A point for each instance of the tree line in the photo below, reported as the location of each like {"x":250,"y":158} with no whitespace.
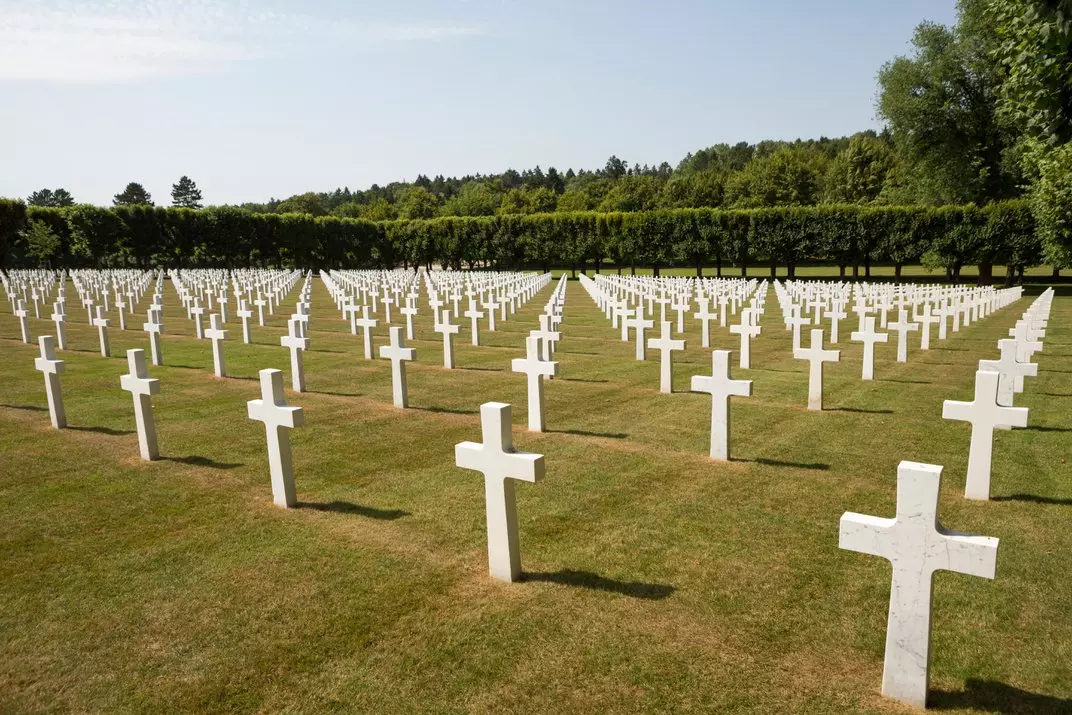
{"x":849,"y":236}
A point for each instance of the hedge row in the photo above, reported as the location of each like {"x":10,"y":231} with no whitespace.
{"x":944,"y":237}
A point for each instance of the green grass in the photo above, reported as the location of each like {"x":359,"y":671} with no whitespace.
{"x":659,"y":581}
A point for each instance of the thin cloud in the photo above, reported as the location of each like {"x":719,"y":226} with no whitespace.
{"x":123,"y":40}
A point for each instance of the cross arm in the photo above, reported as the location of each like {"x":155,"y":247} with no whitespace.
{"x":867,"y":534}
{"x":967,"y":554}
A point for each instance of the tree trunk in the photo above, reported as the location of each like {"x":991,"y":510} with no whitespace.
{"x":1020,"y":273}
{"x":655,"y":270}
{"x":986,"y":274}
{"x":897,"y":271}
{"x":841,"y":271}
{"x":744,"y":270}
{"x":699,"y":269}
{"x":867,"y":267}
{"x":855,"y":271}
{"x":632,"y":269}
{"x":773,"y":270}
{"x":619,"y":266}
{"x":1056,"y":273}
{"x":718,"y":267}
{"x":573,"y":271}
{"x":1009,"y":272}
{"x":599,"y":263}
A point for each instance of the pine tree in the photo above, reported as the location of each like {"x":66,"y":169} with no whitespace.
{"x":48,"y":197}
{"x":186,"y":194}
{"x":133,"y":195}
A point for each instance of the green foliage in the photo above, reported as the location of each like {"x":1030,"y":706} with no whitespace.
{"x":1052,"y":205}
{"x":790,"y":176}
{"x":858,"y":174}
{"x":41,"y":243}
{"x":307,"y":203}
{"x":133,"y":195}
{"x":185,"y":193}
{"x":50,"y":198}
{"x":416,"y":202}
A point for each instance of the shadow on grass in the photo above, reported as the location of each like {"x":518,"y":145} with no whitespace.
{"x":1056,"y":394}
{"x":335,"y":394}
{"x":995,"y":697}
{"x":819,"y":466}
{"x":905,"y":382}
{"x":483,"y":369}
{"x":1042,"y":428}
{"x":345,"y":507}
{"x":446,"y":410}
{"x":580,"y":379}
{"x":576,"y":352}
{"x":586,"y":433}
{"x":31,"y":408}
{"x":587,"y":579}
{"x":102,"y":430}
{"x":1033,"y":498}
{"x":861,"y":411}
{"x":198,"y":461}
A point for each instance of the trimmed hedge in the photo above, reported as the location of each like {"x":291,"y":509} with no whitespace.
{"x":844,"y":235}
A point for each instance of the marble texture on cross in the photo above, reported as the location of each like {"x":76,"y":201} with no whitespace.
{"x":705,"y":317}
{"x":217,"y":335}
{"x":474,"y":316}
{"x":154,"y":327}
{"x":535,"y":369}
{"x":245,"y":314}
{"x":51,"y":367}
{"x":278,"y":419}
{"x":816,"y":356}
{"x":297,"y":343}
{"x":747,"y":331}
{"x":926,"y":319}
{"x":101,"y":324}
{"x":24,"y":328}
{"x":666,"y":346}
{"x":869,"y":337}
{"x":639,"y":324}
{"x":197,"y":311}
{"x":138,"y":383}
{"x":1009,"y":368}
{"x":721,"y":387}
{"x":985,"y":414}
{"x":496,"y":459}
{"x":916,"y":545}
{"x":366,"y":324}
{"x":399,"y":355}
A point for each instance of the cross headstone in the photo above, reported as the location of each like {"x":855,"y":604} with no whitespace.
{"x":217,"y":334}
{"x":24,"y":328}
{"x":297,"y":343}
{"x":197,"y":311}
{"x":500,"y":465}
{"x":536,"y":369}
{"x":142,"y":387}
{"x":399,"y":355}
{"x":278,"y":417}
{"x":984,"y":413}
{"x":59,"y":319}
{"x":869,"y":337}
{"x":51,"y":367}
{"x":903,"y":326}
{"x":666,"y":345}
{"x":448,"y":330}
{"x":1009,"y":368}
{"x":917,"y":546}
{"x":639,"y":324}
{"x":747,"y":331}
{"x":245,"y":314}
{"x":154,"y":327}
{"x":705,"y":317}
{"x":926,"y":319}
{"x":101,"y":324}
{"x":816,"y":356}
{"x":721,"y":387}
{"x":474,"y":316}
{"x":366,"y":324}
{"x":409,"y":311}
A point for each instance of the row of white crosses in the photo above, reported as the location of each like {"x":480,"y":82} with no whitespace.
{"x":914,"y":542}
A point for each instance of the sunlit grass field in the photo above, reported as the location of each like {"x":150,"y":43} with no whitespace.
{"x":656,"y":580}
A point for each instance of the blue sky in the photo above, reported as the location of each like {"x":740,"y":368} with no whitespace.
{"x":257,"y":99}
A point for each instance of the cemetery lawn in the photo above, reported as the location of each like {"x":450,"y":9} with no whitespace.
{"x":656,"y":580}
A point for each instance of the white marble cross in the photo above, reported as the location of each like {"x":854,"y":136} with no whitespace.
{"x":278,"y":417}
{"x":142,"y":387}
{"x":59,"y":319}
{"x":260,"y":303}
{"x":217,"y":334}
{"x":399,"y":355}
{"x":917,"y":546}
{"x":926,"y":319}
{"x":366,"y":324}
{"x":869,"y":337}
{"x":500,"y":465}
{"x":903,"y":326}
{"x":20,"y":313}
{"x":984,"y":413}
{"x":197,"y":311}
{"x":548,"y":336}
{"x":409,"y":311}
{"x":836,"y":315}
{"x":535,"y":369}
{"x":705,"y":317}
{"x":448,"y":330}
{"x":119,"y":305}
{"x":747,"y":331}
{"x":154,"y":327}
{"x":816,"y":356}
{"x":490,"y":305}
{"x":1009,"y":368}
{"x":101,"y":324}
{"x":721,"y":388}
{"x":51,"y":367}
{"x":297,"y":344}
{"x":474,"y":316}
{"x":666,"y":345}
{"x":796,"y":321}
{"x":245,"y":314}
{"x":639,"y":324}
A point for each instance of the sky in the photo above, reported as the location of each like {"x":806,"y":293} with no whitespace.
{"x":257,"y":99}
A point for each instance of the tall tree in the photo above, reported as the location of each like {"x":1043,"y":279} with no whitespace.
{"x":858,"y":173}
{"x":186,"y":194}
{"x":48,"y":197}
{"x":133,"y":195}
{"x":940,"y":104}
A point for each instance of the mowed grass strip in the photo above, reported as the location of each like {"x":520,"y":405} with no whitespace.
{"x":656,"y":580}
